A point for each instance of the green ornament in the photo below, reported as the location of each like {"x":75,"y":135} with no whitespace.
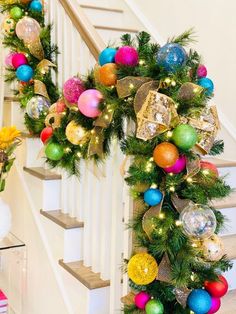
{"x":184,"y":136}
{"x":16,"y":13}
{"x":154,"y":307}
{"x":54,"y":151}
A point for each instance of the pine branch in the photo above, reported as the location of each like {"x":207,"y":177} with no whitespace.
{"x":185,"y":38}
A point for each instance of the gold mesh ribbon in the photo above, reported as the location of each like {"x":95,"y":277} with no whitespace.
{"x":128,"y":299}
{"x":181,"y":295}
{"x":126,"y":85}
{"x":105,"y":118}
{"x":36,"y":49}
{"x":96,"y":142}
{"x":40,"y":89}
{"x":179,"y":203}
{"x":193,"y":167}
{"x":164,"y":270}
{"x":44,"y":65}
{"x":189,"y":90}
{"x":142,"y":94}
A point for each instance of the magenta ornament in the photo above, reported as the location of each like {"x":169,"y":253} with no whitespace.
{"x":202,"y":71}
{"x":19,"y":59}
{"x":72,"y":89}
{"x":126,"y":55}
{"x":178,"y":166}
{"x":215,"y":305}
{"x":141,"y":299}
{"x":8,"y":59}
{"x":89,"y":103}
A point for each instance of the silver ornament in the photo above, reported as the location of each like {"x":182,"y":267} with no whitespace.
{"x":37,"y":106}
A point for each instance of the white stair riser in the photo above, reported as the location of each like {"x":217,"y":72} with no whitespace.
{"x":106,"y":18}
{"x":102,"y":3}
{"x":73,"y":245}
{"x":34,"y":148}
{"x":13,"y":115}
{"x":230,"y":276}
{"x":111,"y":37}
{"x":230,"y":173}
{"x":230,"y":223}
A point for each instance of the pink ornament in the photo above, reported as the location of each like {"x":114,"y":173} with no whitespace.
{"x":8,"y":59}
{"x":141,"y":299}
{"x":127,"y":55}
{"x":72,"y":89}
{"x":202,"y":71}
{"x":60,"y":106}
{"x":178,"y":166}
{"x":89,"y":103}
{"x":215,"y":305}
{"x":19,"y":59}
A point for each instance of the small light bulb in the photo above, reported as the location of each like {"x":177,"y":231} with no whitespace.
{"x":131,"y":86}
{"x":173,"y":83}
{"x":192,"y":277}
{"x":151,"y":159}
{"x":176,"y":105}
{"x":92,"y":132}
{"x":161,"y":215}
{"x":160,"y":231}
{"x":79,"y":154}
{"x":172,"y":189}
{"x":153,"y":186}
{"x":178,"y":223}
{"x":141,"y":62}
{"x":67,"y":149}
{"x":206,"y":172}
{"x":167,"y":80}
{"x":189,"y":180}
{"x":169,"y":134}
{"x":106,"y":117}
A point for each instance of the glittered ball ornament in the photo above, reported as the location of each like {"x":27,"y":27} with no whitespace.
{"x":36,"y":6}
{"x":201,"y":71}
{"x":19,"y":59}
{"x":107,"y":56}
{"x":107,"y":74}
{"x":46,"y":134}
{"x":178,"y":167}
{"x":60,"y":106}
{"x":153,"y":197}
{"x":37,"y":106}
{"x":9,"y":26}
{"x":213,"y":248}
{"x":207,"y":84}
{"x":199,"y":301}
{"x":16,"y":13}
{"x":76,"y":134}
{"x":198,"y":221}
{"x":154,"y":307}
{"x":142,"y":269}
{"x":89,"y":102}
{"x":8,"y":59}
{"x":141,"y":299}
{"x":72,"y":89}
{"x":28,"y":30}
{"x":215,"y":305}
{"x":24,"y":73}
{"x":171,"y":57}
{"x":217,"y":289}
{"x":54,"y":151}
{"x":127,"y":56}
{"x":184,"y":136}
{"x":165,"y":155}
{"x":210,"y":167}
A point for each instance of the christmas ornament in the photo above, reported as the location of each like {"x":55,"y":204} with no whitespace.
{"x":184,"y":136}
{"x":107,"y":74}
{"x":213,"y":248}
{"x":178,"y":167}
{"x":207,"y":84}
{"x":165,"y":155}
{"x":107,"y":56}
{"x":154,"y":307}
{"x":37,"y":106}
{"x":5,"y":219}
{"x":217,"y":289}
{"x":19,"y":59}
{"x":88,"y":103}
{"x":24,"y":73}
{"x":72,"y":89}
{"x":152,"y":197}
{"x":127,"y":56}
{"x":201,"y":71}
{"x":16,"y":13}
{"x":215,"y":305}
{"x":46,"y":134}
{"x":60,"y":106}
{"x":8,"y":59}
{"x":171,"y":57}
{"x":199,"y":301}
{"x":142,"y":269}
{"x":9,"y":26}
{"x":76,"y":134}
{"x":28,"y":30}
{"x":198,"y":221}
{"x":188,"y":91}
{"x":54,"y":151}
{"x":36,"y":6}
{"x":210,"y":167}
{"x":141,"y":299}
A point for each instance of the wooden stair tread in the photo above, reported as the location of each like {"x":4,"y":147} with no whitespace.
{"x":94,"y":7}
{"x":117,"y":29}
{"x":230,"y":245}
{"x":28,"y":135}
{"x":85,"y":275}
{"x":61,"y":219}
{"x":11,"y":98}
{"x":228,"y":305}
{"x":221,"y":163}
{"x":43,"y":174}
{"x":226,"y":202}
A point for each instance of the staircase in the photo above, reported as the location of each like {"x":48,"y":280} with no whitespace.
{"x":80,"y":225}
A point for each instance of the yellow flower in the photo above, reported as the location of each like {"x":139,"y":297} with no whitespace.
{"x":7,"y":136}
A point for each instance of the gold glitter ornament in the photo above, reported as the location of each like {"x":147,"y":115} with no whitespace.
{"x":213,"y":248}
{"x":142,"y":269}
{"x":9,"y":26}
{"x":76,"y":134}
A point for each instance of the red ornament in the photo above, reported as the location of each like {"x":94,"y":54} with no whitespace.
{"x":19,"y":59}
{"x":46,"y":134}
{"x":217,"y":289}
{"x":206,"y":165}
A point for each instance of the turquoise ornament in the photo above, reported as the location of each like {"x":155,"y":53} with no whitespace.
{"x":184,"y":136}
{"x":207,"y":83}
{"x":154,"y":307}
{"x":36,"y":6}
{"x":171,"y":57}
{"x":107,"y":56}
{"x":152,"y":197}
{"x":199,"y":301}
{"x":24,"y":73}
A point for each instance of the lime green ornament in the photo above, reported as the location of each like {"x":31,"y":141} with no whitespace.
{"x":154,"y":307}
{"x":184,"y":136}
{"x":54,"y":151}
{"x":16,"y":13}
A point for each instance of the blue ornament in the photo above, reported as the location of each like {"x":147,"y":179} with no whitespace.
{"x":171,"y":57}
{"x":24,"y":73}
{"x":199,"y":301}
{"x":107,"y":56}
{"x":206,"y":83}
{"x":153,"y":197}
{"x":36,"y":6}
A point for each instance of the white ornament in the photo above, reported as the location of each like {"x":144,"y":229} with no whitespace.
{"x":5,"y":219}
